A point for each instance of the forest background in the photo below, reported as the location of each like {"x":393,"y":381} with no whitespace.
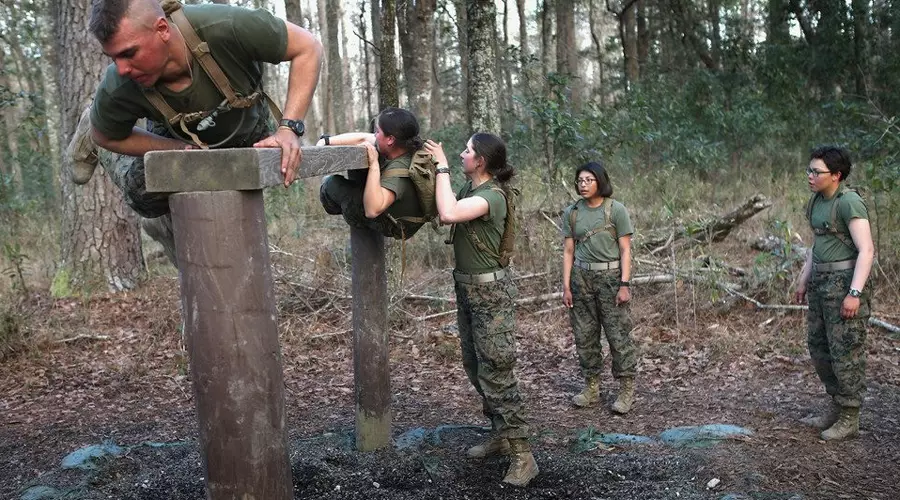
{"x":694,"y":105}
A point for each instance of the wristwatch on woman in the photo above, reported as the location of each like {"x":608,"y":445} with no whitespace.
{"x":854,"y":293}
{"x":442,"y":169}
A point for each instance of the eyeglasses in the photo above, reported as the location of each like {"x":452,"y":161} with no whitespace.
{"x":815,"y":173}
{"x":587,"y":181}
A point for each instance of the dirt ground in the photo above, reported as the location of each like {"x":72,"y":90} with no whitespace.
{"x":110,"y":369}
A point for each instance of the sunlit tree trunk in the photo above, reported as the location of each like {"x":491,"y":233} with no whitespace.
{"x":484,"y":114}
{"x":388,"y":91}
{"x":100,"y":235}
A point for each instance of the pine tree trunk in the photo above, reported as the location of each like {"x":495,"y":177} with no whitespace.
{"x":100,"y":238}
{"x":628,"y":29}
{"x":336,"y":113}
{"x":388,"y":92}
{"x":415,"y":21}
{"x":523,"y":29}
{"x":484,"y":115}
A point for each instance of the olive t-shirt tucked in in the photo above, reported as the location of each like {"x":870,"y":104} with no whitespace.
{"x":828,"y":247}
{"x":488,"y":228}
{"x":239,"y":40}
{"x":601,"y":247}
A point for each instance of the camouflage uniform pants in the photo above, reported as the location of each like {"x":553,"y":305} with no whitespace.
{"x":127,"y":172}
{"x":837,"y":345}
{"x":338,"y":191}
{"x":593,"y":307}
{"x":487,"y":322}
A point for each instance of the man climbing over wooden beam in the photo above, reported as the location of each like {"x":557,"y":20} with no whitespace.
{"x":195,"y":73}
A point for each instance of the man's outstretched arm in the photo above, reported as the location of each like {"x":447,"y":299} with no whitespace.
{"x":305,"y":55}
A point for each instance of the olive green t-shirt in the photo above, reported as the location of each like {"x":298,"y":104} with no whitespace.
{"x":601,"y":247}
{"x":406,"y":201}
{"x":488,"y":228}
{"x":239,"y":40}
{"x":827,"y":247}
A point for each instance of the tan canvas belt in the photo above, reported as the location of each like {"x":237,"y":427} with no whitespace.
{"x":597,"y":266}
{"x":474,"y":279}
{"x":840,"y":265}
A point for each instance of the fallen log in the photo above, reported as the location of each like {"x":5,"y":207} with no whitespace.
{"x":715,"y":229}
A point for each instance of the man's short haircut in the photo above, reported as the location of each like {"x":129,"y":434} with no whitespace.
{"x":836,"y":158}
{"x":106,"y":16}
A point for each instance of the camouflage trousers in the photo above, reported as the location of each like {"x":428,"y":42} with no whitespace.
{"x":593,"y":307}
{"x":487,"y":331}
{"x":340,"y":195}
{"x":127,"y":172}
{"x":837,"y":345}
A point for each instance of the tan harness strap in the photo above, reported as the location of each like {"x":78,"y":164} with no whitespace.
{"x":609,"y":226}
{"x":158,"y":102}
{"x":200,"y":50}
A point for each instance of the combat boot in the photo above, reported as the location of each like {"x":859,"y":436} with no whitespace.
{"x":626,"y":396}
{"x":847,"y":425}
{"x":589,"y":395}
{"x":489,"y":448}
{"x":825,"y":421}
{"x":83,"y":150}
{"x":522,"y":467}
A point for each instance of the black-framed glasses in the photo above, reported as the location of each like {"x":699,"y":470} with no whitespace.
{"x":815,"y":173}
{"x":586,"y":181}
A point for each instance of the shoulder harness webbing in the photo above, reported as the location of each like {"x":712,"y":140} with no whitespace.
{"x":200,"y":50}
{"x":609,"y":226}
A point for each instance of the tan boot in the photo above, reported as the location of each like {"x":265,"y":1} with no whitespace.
{"x":589,"y":395}
{"x":825,"y":421}
{"x":522,"y":467}
{"x":83,"y":150}
{"x":847,"y":425}
{"x":626,"y":396}
{"x":492,"y":447}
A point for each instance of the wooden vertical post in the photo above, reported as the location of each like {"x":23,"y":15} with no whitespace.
{"x":232,"y":339}
{"x":371,"y":368}
{"x":229,"y":311}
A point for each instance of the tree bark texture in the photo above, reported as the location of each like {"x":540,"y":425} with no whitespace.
{"x":462,"y":36}
{"x":100,"y":237}
{"x":566,"y":48}
{"x":628,"y":23}
{"x":546,"y":36}
{"x":523,"y":30}
{"x":484,"y":114}
{"x":415,"y":23}
{"x":388,"y":91}
{"x":337,"y":112}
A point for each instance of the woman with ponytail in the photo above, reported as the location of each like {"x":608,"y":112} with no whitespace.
{"x":384,"y":202}
{"x":485,"y":295}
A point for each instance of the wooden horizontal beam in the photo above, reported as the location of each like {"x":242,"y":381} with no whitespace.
{"x":240,"y":169}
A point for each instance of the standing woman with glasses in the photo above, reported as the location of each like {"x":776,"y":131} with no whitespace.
{"x":834,"y":282}
{"x":596,"y":288}
{"x":485,"y":295}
